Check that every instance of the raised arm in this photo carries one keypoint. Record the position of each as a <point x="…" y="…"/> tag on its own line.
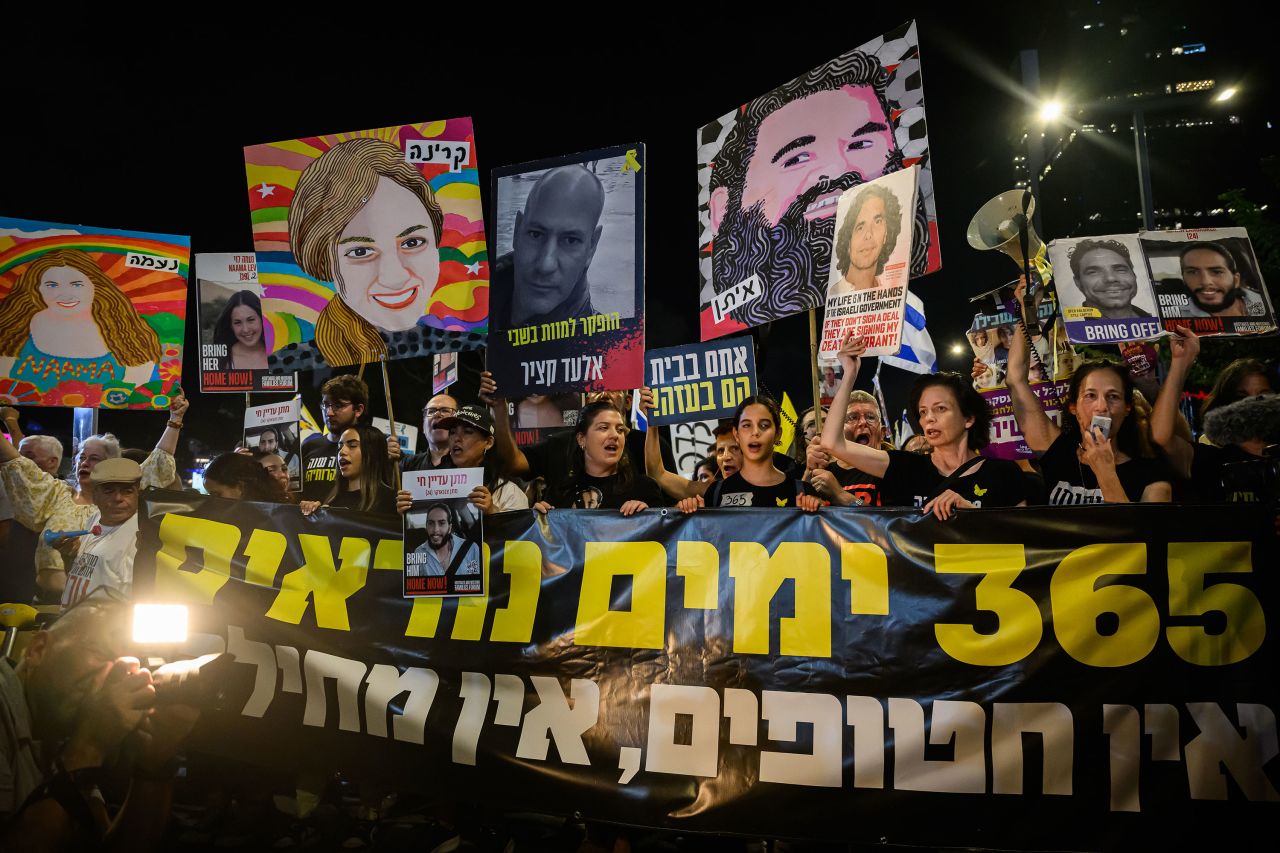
<point x="1184" y="346"/>
<point x="504" y="441"/>
<point x="1037" y="428"/>
<point x="871" y="460"/>
<point x="672" y="484"/>
<point x="10" y="417"/>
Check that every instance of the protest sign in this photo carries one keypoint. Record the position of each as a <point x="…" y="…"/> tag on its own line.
<point x="442" y="533"/>
<point x="695" y="382"/>
<point x="274" y="428"/>
<point x="236" y="329"/>
<point x="1208" y="280"/>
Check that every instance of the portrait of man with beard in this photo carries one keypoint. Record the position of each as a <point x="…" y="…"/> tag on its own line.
<point x="776" y="180"/>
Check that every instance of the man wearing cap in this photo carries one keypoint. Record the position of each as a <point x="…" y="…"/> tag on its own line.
<point x="105" y="556"/>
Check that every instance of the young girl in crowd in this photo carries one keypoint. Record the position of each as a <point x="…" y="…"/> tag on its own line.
<point x="1082" y="463"/>
<point x="242" y="478"/>
<point x="600" y="475"/>
<point x="954" y="419"/>
<point x="759" y="483"/>
<point x="470" y="440"/>
<point x="364" y="474"/>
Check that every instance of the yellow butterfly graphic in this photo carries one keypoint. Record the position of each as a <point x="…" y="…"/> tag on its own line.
<point x="979" y="491"/>
<point x="781" y="501"/>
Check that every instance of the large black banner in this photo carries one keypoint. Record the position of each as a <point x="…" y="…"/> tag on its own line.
<point x="1053" y="678"/>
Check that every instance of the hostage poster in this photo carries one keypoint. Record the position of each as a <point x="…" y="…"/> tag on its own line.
<point x="443" y="533"/>
<point x="236" y="329"/>
<point x="1209" y="281"/>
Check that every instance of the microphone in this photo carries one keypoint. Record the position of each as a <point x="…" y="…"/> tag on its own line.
<point x="51" y="535"/>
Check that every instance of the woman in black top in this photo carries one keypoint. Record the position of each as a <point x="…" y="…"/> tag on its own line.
<point x="955" y="420"/>
<point x="1080" y="464"/>
<point x="600" y="475"/>
<point x="759" y="483"/>
<point x="364" y="474"/>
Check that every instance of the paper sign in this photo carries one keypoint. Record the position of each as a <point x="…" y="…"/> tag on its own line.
<point x="443" y="534"/>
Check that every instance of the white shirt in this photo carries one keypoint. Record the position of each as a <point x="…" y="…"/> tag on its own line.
<point x="104" y="560"/>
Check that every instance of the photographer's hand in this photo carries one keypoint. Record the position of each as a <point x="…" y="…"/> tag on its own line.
<point x="162" y="733"/>
<point x="117" y="703"/>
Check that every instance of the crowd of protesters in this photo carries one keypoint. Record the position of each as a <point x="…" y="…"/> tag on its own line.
<point x="72" y="542"/>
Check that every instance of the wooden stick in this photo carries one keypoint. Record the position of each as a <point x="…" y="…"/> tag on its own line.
<point x="813" y="369"/>
<point x="391" y="415"/>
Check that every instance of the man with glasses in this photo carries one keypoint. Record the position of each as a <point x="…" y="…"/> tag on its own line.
<point x="438" y="408"/>
<point x="343" y="401"/>
<point x="65" y="711"/>
<point x="844" y="486"/>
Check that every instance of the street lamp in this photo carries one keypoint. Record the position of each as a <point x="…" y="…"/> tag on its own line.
<point x="1226" y="94"/>
<point x="1050" y="111"/>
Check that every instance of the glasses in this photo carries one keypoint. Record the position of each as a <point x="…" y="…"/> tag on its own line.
<point x="855" y="417"/>
<point x="439" y="410"/>
<point x="335" y="405"/>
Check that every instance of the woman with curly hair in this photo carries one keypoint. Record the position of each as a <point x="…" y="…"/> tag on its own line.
<point x="65" y="319"/>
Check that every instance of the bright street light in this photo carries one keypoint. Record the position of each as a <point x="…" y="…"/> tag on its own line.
<point x="957" y="349"/>
<point x="1226" y="94"/>
<point x="1050" y="111"/>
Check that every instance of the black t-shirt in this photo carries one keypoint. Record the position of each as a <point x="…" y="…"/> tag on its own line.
<point x="912" y="480"/>
<point x="1207" y="474"/>
<point x="319" y="466"/>
<point x="735" y="491"/>
<point x="860" y="484"/>
<point x="383" y="504"/>
<point x="422" y="462"/>
<point x="587" y="492"/>
<point x="553" y="459"/>
<point x="1070" y="481"/>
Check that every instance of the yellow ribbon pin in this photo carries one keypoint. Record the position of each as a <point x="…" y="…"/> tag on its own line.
<point x="632" y="162"/>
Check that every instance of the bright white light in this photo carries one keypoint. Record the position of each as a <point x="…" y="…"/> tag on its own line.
<point x="1050" y="111"/>
<point x="159" y="623"/>
<point x="957" y="349"/>
<point x="1226" y="94"/>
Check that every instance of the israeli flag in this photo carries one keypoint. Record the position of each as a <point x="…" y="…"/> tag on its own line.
<point x="638" y="418"/>
<point x="917" y="354"/>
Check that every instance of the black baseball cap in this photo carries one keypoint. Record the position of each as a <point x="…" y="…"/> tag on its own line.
<point x="475" y="416"/>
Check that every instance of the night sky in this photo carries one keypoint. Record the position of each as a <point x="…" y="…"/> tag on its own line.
<point x="130" y="124"/>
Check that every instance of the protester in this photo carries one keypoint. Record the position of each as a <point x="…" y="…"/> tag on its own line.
<point x="759" y="483"/>
<point x="41" y="502"/>
<point x="66" y="711"/>
<point x="437" y="454"/>
<point x="238" y="477"/>
<point x="1242" y="430"/>
<point x="1083" y="463"/>
<point x="274" y="465"/>
<point x="955" y="420"/>
<point x="343" y="402"/>
<point x="600" y="476"/>
<point x="18" y="578"/>
<point x="1244" y="377"/>
<point x="835" y="480"/>
<point x="105" y="555"/>
<point x="471" y="439"/>
<point x="365" y="474"/>
<point x="806" y="432"/>
<point x="706" y="471"/>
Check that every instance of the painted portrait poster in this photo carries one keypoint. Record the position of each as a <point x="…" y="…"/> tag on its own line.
<point x="1209" y="280"/>
<point x="771" y="171"/>
<point x="90" y="317"/>
<point x="236" y="327"/>
<point x="568" y="281"/>
<point x="1104" y="290"/>
<point x="870" y="265"/>
<point x="370" y="243"/>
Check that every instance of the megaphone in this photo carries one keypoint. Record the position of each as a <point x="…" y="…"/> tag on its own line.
<point x="1000" y="223"/>
<point x="51" y="536"/>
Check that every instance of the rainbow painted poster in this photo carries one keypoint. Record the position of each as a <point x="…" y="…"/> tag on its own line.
<point x="389" y="222"/>
<point x="90" y="317"/>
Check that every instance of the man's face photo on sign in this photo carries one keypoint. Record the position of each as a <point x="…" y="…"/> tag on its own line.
<point x="1105" y="275"/>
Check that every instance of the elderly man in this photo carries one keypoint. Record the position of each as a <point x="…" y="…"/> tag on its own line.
<point x="437" y="409"/>
<point x="841" y="485"/>
<point x="556" y="235"/>
<point x="65" y="710"/>
<point x="105" y="554"/>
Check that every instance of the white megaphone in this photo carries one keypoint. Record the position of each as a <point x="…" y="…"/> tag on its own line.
<point x="51" y="536"/>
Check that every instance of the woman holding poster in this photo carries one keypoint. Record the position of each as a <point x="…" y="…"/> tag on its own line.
<point x="955" y="420"/>
<point x="1097" y="455"/>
